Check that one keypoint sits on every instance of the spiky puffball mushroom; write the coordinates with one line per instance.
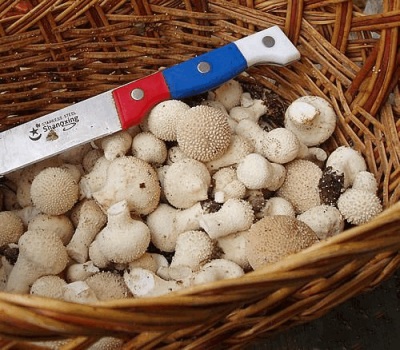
(217, 269)
(229, 94)
(274, 237)
(131, 179)
(311, 118)
(79, 292)
(166, 223)
(203, 133)
(148, 147)
(348, 161)
(301, 185)
(40, 253)
(256, 172)
(90, 220)
(186, 182)
(233, 248)
(122, 240)
(277, 206)
(359, 206)
(116, 145)
(144, 283)
(50, 286)
(54, 191)
(108, 285)
(239, 148)
(163, 119)
(365, 181)
(193, 249)
(235, 215)
(60, 224)
(227, 185)
(283, 146)
(95, 179)
(325, 220)
(12, 227)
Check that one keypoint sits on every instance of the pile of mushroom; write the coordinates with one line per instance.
(196, 193)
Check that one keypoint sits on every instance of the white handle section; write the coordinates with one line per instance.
(269, 46)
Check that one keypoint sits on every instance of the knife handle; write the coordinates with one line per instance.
(202, 73)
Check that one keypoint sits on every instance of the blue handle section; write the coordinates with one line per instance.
(186, 79)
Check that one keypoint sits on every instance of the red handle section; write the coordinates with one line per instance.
(135, 100)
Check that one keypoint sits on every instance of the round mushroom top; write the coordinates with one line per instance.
(283, 146)
(43, 251)
(108, 285)
(54, 191)
(12, 227)
(204, 133)
(274, 237)
(149, 148)
(164, 118)
(301, 185)
(358, 206)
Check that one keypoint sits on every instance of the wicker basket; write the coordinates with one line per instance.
(54, 53)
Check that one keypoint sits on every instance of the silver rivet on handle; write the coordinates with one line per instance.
(137, 94)
(203, 67)
(268, 41)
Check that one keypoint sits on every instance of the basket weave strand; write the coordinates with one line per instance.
(54, 53)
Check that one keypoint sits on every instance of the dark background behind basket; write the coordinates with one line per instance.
(54, 53)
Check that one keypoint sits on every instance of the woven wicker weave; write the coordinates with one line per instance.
(54, 53)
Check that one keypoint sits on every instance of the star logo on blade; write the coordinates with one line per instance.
(34, 134)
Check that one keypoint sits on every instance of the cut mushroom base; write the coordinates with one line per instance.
(203, 208)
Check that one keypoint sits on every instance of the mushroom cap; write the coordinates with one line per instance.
(217, 269)
(186, 182)
(149, 148)
(283, 146)
(278, 206)
(204, 133)
(365, 181)
(163, 119)
(229, 94)
(131, 179)
(301, 185)
(311, 118)
(61, 224)
(54, 191)
(49, 286)
(255, 171)
(358, 206)
(108, 285)
(12, 227)
(274, 237)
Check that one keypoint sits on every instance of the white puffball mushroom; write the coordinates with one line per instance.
(54, 191)
(149, 261)
(347, 161)
(234, 215)
(166, 223)
(40, 253)
(227, 185)
(59, 224)
(274, 237)
(233, 248)
(256, 172)
(325, 220)
(144, 283)
(253, 111)
(193, 249)
(12, 227)
(229, 94)
(175, 154)
(163, 119)
(203, 133)
(186, 182)
(79, 292)
(148, 147)
(27, 214)
(216, 270)
(90, 159)
(95, 179)
(122, 240)
(48, 286)
(311, 118)
(257, 136)
(301, 185)
(116, 145)
(278, 206)
(237, 150)
(107, 285)
(131, 179)
(80, 271)
(283, 146)
(359, 206)
(91, 220)
(366, 181)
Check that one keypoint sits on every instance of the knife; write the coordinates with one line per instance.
(125, 106)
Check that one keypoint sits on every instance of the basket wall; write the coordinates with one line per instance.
(54, 53)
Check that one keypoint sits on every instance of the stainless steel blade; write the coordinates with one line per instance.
(58, 131)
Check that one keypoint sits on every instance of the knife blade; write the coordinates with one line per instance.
(125, 106)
